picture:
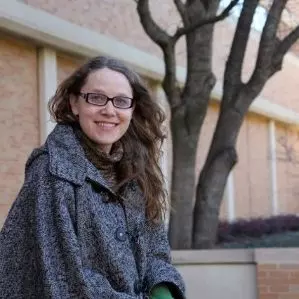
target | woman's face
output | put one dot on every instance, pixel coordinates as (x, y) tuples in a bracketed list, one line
[(104, 124)]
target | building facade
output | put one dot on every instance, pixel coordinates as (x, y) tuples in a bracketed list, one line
[(42, 42)]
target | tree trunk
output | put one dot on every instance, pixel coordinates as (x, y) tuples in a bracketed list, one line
[(186, 124), (209, 192), (183, 185)]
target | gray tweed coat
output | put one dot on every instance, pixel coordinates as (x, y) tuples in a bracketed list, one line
[(64, 238)]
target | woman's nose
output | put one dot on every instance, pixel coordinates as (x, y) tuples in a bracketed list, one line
[(108, 109)]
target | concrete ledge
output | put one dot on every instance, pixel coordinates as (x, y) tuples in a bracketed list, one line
[(48, 30), (222, 256), (277, 256), (236, 256)]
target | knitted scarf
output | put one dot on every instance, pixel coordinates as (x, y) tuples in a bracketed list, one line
[(106, 163)]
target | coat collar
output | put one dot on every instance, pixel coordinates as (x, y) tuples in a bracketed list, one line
[(67, 158)]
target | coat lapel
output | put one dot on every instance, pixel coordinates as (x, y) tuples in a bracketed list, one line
[(67, 158)]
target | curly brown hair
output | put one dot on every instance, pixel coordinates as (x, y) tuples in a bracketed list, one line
[(141, 142)]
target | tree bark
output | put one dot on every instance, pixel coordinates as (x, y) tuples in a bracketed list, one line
[(186, 123), (209, 192), (183, 185)]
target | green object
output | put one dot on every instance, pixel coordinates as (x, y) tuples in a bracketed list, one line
[(160, 292)]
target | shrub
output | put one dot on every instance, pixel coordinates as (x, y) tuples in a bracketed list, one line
[(285, 239), (256, 228)]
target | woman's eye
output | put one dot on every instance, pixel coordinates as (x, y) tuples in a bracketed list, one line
[(121, 100), (98, 97)]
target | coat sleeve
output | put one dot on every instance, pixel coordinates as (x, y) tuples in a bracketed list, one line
[(159, 267), (39, 249)]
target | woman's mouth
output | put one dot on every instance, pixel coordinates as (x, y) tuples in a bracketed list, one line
[(106, 124)]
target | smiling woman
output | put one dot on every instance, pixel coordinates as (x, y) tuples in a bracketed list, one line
[(88, 221), (100, 120)]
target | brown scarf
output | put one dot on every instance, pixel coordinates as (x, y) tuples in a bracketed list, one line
[(106, 163)]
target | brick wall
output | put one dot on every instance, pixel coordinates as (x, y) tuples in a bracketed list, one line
[(278, 281), (18, 115), (277, 273)]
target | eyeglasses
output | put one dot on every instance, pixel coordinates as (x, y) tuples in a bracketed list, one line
[(98, 99)]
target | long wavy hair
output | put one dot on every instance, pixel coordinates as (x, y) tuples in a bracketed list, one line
[(143, 139)]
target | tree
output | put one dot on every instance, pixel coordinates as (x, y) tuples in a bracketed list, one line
[(195, 226)]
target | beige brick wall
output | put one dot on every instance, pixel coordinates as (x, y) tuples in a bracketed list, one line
[(278, 281), (18, 115), (114, 18), (242, 176), (258, 139), (288, 168), (66, 65), (118, 19), (252, 173)]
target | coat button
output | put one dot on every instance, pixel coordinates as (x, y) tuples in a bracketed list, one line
[(121, 234)]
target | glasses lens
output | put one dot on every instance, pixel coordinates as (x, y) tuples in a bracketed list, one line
[(122, 102), (97, 99)]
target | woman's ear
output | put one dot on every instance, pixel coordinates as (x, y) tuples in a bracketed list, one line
[(74, 104)]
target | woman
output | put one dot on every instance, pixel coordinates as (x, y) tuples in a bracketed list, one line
[(88, 221)]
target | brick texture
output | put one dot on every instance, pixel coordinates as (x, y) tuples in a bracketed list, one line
[(278, 281), (66, 65), (287, 148), (18, 116)]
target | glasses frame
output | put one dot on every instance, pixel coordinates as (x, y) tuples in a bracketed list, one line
[(108, 99)]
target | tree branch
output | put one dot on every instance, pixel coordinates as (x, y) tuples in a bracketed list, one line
[(233, 70), (286, 44), (169, 83), (161, 38), (155, 32), (187, 29), (264, 67), (181, 9)]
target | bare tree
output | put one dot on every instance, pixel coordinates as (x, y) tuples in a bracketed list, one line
[(195, 226)]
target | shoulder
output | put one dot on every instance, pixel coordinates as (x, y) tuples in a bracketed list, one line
[(40, 183), (38, 174), (37, 164)]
